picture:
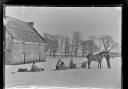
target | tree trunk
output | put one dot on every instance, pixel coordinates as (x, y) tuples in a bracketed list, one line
[(68, 53), (50, 53), (76, 51), (76, 48), (61, 53), (24, 57), (65, 53), (54, 54), (83, 53)]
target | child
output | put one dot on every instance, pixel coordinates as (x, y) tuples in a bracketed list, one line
[(34, 67), (71, 64)]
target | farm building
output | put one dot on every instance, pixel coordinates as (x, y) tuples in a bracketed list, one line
[(23, 44)]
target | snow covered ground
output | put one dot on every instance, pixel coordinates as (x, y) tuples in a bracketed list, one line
[(96, 78)]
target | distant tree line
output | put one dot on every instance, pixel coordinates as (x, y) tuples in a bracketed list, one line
[(63, 45)]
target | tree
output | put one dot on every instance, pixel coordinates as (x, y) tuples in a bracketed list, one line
[(115, 47), (62, 41), (71, 49), (47, 38), (54, 44), (96, 41), (83, 47), (67, 45), (108, 42), (76, 41), (89, 46)]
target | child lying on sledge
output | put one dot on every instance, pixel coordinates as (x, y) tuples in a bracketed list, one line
[(34, 68)]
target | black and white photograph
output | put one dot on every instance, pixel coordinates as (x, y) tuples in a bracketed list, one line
[(62, 47)]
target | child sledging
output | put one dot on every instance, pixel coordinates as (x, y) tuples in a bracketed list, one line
[(72, 65), (60, 65), (34, 68), (84, 63)]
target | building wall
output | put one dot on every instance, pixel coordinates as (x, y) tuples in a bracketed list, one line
[(16, 51)]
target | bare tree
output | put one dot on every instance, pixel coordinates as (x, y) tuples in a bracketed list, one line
[(54, 44), (71, 49), (115, 47), (54, 47), (67, 45), (90, 46), (83, 47), (48, 42), (51, 43), (96, 41), (62, 39), (76, 41), (108, 42)]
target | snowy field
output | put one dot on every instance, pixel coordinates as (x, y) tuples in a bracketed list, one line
[(73, 78)]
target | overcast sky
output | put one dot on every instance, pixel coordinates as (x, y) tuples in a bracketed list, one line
[(65, 20)]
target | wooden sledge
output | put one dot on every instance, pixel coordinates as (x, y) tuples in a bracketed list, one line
[(25, 70)]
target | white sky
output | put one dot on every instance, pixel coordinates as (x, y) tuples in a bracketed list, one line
[(64, 20)]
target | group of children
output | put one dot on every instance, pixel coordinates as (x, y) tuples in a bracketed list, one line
[(60, 65)]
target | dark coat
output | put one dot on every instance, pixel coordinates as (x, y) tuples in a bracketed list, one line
[(108, 58)]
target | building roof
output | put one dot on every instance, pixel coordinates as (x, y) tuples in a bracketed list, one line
[(21, 30)]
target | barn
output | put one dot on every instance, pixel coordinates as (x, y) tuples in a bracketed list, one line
[(23, 44)]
